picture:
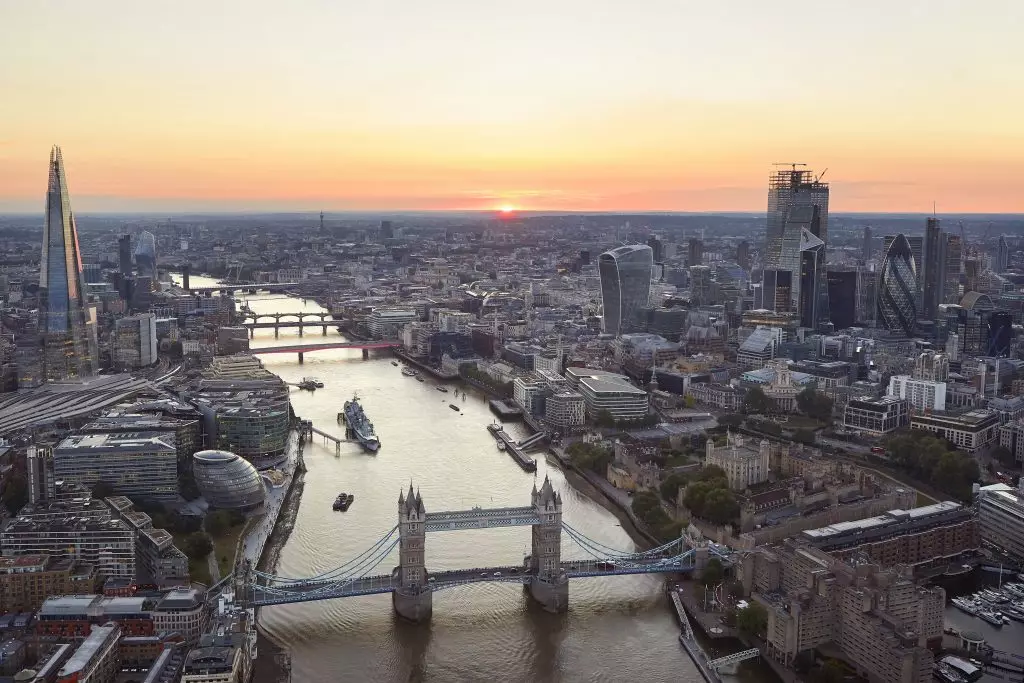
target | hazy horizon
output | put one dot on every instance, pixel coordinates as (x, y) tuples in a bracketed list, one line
[(581, 105)]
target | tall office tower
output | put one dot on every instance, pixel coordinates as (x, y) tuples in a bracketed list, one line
[(932, 366), (776, 291), (866, 249), (897, 307), (584, 257), (696, 255), (954, 266), (124, 254), (867, 297), (790, 190), (743, 255), (145, 256), (972, 275), (387, 230), (842, 298), (625, 286), (657, 248), (1002, 255), (67, 325), (934, 267), (701, 292), (813, 283), (916, 243)]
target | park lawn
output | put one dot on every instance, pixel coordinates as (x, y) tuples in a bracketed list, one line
[(802, 422)]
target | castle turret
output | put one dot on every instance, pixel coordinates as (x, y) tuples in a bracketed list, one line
[(412, 597), (549, 585)]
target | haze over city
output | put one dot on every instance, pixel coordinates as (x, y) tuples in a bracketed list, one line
[(566, 105)]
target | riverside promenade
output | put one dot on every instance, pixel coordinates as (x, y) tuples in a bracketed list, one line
[(256, 538)]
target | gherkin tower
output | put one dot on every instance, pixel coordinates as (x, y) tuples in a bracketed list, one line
[(67, 324)]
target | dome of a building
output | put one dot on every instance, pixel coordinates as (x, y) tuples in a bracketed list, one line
[(227, 481)]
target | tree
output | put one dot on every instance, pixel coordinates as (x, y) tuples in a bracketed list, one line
[(752, 620), (804, 436), (832, 671), (198, 545), (670, 487), (689, 401), (756, 401), (604, 418), (815, 404), (15, 493), (713, 573), (733, 420), (720, 506), (102, 489), (217, 522)]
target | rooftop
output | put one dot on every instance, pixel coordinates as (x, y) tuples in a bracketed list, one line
[(130, 442), (600, 381)]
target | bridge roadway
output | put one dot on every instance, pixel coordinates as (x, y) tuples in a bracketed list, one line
[(306, 591), (300, 348)]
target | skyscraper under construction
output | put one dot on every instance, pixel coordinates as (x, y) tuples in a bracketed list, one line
[(798, 201), (67, 326)]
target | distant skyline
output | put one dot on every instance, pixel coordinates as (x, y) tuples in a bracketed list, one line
[(589, 105)]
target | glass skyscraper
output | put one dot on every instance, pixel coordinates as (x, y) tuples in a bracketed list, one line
[(145, 255), (67, 324), (797, 201), (897, 301), (625, 287)]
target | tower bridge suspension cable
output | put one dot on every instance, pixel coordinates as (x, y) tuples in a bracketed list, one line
[(337, 571)]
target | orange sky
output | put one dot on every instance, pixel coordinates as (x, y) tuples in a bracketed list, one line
[(563, 104)]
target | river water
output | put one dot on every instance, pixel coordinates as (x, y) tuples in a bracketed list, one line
[(616, 628)]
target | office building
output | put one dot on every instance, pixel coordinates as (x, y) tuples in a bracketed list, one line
[(228, 481), (875, 416), (866, 248), (797, 201), (26, 581), (743, 255), (625, 287), (702, 287), (1002, 261), (73, 616), (143, 464), (135, 341), (695, 254), (970, 431), (124, 255), (954, 267), (920, 394), (745, 465), (67, 323), (842, 298), (182, 610), (145, 256), (926, 539), (813, 304), (934, 269), (897, 291), (386, 323), (108, 545), (759, 348), (565, 410), (1011, 436), (657, 248), (1001, 518), (776, 291), (867, 297), (607, 391), (97, 658)]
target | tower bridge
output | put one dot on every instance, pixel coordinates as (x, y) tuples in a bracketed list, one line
[(543, 573)]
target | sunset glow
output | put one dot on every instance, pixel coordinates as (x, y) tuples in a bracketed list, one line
[(570, 105)]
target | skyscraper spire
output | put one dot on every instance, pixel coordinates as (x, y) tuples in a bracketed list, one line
[(68, 325)]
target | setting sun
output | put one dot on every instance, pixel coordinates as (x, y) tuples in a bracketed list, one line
[(507, 208)]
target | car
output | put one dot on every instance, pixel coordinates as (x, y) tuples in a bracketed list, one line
[(497, 573), (432, 579), (483, 574)]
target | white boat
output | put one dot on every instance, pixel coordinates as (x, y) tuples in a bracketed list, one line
[(990, 617), (408, 372), (501, 445)]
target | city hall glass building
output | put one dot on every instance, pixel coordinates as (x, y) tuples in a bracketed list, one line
[(227, 481)]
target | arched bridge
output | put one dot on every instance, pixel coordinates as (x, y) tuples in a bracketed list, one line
[(543, 572)]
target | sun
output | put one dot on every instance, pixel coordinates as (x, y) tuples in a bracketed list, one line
[(506, 208)]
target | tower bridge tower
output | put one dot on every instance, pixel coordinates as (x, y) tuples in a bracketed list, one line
[(549, 585), (413, 597)]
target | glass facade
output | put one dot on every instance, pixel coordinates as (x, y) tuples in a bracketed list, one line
[(145, 255), (227, 481), (897, 291), (625, 287), (67, 325)]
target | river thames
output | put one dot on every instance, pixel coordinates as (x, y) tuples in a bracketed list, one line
[(616, 628)]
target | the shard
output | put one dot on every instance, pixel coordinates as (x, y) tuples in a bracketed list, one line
[(67, 323)]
